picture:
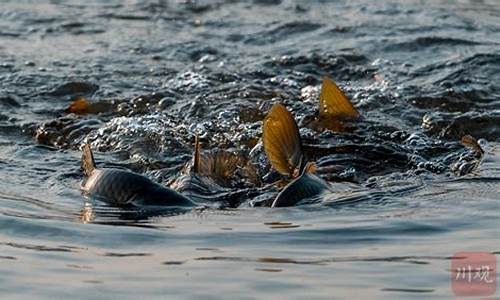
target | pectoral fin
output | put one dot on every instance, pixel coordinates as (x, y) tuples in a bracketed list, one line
[(334, 103), (282, 142)]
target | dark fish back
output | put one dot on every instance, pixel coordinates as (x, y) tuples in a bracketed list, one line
[(306, 186), (122, 187)]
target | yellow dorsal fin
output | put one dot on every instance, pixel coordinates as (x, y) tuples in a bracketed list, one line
[(197, 155), (469, 141), (281, 139), (334, 103)]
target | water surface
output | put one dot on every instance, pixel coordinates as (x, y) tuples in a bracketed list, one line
[(407, 194)]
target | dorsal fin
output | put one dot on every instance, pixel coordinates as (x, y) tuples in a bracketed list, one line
[(334, 103), (197, 155), (282, 143), (469, 141), (88, 162), (220, 164)]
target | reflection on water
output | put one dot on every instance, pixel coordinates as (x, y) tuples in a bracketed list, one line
[(406, 196)]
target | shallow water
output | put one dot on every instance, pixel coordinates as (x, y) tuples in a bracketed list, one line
[(407, 194)]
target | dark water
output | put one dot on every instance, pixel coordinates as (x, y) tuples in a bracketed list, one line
[(407, 194)]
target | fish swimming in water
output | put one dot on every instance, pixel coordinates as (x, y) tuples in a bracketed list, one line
[(126, 188), (212, 175), (284, 149), (197, 179)]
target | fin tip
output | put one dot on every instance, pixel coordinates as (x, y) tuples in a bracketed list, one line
[(333, 101)]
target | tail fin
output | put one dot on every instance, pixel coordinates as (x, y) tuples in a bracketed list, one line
[(282, 142), (334, 103), (88, 163), (197, 155)]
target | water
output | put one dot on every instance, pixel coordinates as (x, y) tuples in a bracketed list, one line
[(407, 194)]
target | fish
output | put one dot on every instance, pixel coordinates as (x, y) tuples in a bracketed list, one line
[(195, 179), (307, 186), (126, 188), (211, 175), (284, 149)]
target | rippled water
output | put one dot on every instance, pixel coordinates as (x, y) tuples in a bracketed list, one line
[(407, 195)]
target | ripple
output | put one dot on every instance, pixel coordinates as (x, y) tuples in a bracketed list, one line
[(115, 254), (406, 193), (454, 125), (281, 32), (407, 290), (41, 248), (430, 41)]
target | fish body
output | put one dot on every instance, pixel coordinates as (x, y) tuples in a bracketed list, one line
[(122, 187), (306, 186), (210, 176)]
